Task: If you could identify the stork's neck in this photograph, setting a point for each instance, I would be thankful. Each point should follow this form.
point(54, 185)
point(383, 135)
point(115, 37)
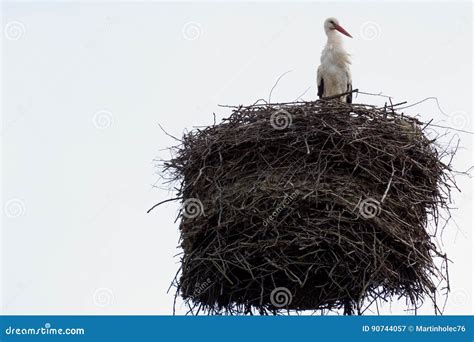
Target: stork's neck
point(334, 40)
point(334, 51)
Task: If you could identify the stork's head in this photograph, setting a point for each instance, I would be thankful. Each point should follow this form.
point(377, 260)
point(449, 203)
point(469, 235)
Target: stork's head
point(331, 25)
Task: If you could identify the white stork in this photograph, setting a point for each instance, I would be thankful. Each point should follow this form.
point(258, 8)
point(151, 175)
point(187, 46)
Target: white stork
point(334, 75)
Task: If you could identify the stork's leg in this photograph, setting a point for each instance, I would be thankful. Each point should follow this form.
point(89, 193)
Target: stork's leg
point(321, 88)
point(349, 96)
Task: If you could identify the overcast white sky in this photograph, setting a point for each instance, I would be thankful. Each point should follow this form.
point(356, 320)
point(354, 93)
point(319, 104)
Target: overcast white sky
point(85, 85)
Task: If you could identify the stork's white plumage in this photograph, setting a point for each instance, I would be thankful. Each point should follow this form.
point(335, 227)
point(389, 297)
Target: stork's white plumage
point(334, 75)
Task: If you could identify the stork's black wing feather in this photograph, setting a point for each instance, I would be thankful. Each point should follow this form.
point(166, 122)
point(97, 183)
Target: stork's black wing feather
point(349, 96)
point(321, 88)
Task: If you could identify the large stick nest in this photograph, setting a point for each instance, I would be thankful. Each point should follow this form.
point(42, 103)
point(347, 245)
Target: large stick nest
point(308, 206)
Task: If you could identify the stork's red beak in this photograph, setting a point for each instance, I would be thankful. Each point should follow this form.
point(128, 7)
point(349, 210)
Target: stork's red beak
point(340, 29)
